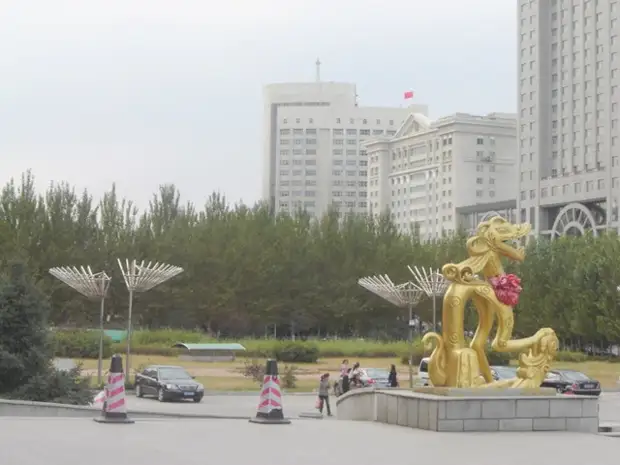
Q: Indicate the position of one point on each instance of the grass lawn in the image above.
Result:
(228, 376)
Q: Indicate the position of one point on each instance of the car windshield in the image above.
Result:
(377, 373)
(574, 376)
(423, 367)
(505, 372)
(173, 373)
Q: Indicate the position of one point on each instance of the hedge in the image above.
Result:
(80, 344)
(85, 344)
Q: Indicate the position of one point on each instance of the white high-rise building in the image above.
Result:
(569, 146)
(439, 176)
(313, 157)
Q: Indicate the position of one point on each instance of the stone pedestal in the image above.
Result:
(473, 410)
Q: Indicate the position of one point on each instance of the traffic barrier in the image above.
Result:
(114, 404)
(270, 411)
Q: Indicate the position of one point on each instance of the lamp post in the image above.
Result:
(405, 295)
(433, 284)
(141, 277)
(91, 285)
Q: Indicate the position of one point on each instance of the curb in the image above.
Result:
(30, 409)
(131, 392)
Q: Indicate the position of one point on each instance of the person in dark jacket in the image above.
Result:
(393, 377)
(344, 374)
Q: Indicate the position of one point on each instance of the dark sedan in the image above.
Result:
(503, 372)
(572, 382)
(168, 383)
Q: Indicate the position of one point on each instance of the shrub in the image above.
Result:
(138, 349)
(254, 369)
(568, 356)
(62, 387)
(80, 344)
(289, 377)
(300, 352)
(166, 337)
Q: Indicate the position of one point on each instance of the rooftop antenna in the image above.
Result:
(318, 70)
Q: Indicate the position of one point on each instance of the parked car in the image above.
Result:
(503, 372)
(168, 383)
(422, 377)
(572, 382)
(375, 377)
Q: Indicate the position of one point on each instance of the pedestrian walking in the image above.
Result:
(324, 394)
(344, 374)
(393, 377)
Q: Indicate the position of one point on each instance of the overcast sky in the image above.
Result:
(146, 92)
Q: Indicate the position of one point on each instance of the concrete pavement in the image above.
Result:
(235, 406)
(235, 442)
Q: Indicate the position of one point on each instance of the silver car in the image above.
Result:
(370, 377)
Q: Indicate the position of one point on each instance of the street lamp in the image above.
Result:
(141, 278)
(91, 285)
(433, 284)
(405, 295)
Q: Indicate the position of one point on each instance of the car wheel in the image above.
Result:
(559, 390)
(160, 395)
(197, 399)
(139, 392)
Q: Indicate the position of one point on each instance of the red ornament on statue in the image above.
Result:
(507, 288)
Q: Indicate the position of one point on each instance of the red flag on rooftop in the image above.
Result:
(408, 94)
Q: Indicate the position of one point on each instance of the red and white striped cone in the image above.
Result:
(270, 411)
(114, 406)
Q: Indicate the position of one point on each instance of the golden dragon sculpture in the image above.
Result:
(452, 363)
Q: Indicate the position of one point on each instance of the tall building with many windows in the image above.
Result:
(439, 176)
(313, 154)
(569, 146)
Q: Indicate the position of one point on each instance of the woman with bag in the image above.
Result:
(323, 399)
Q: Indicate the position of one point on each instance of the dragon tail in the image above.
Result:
(437, 361)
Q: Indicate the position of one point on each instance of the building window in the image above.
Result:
(479, 181)
(480, 141)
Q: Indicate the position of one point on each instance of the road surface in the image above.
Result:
(238, 442)
(225, 405)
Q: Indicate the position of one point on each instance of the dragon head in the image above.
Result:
(501, 236)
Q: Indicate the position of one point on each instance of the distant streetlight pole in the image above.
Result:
(433, 284)
(91, 285)
(405, 295)
(141, 277)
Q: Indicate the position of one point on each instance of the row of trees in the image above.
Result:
(248, 272)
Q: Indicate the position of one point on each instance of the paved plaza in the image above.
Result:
(305, 442)
(55, 441)
(235, 405)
